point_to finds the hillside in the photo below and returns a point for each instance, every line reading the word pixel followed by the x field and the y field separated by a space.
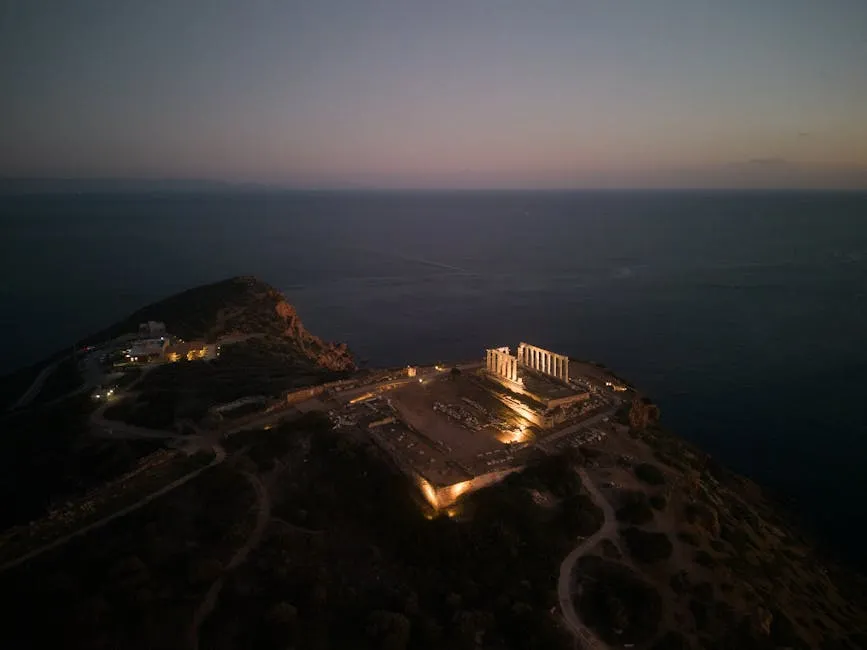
pixel 240 305
pixel 51 449
pixel 147 521
pixel 343 555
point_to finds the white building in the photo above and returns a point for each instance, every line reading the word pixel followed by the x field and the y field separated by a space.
pixel 152 329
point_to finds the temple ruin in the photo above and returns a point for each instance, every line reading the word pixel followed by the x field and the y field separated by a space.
pixel 549 363
pixel 539 374
pixel 500 362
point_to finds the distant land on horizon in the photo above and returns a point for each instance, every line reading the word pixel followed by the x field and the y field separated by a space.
pixel 13 186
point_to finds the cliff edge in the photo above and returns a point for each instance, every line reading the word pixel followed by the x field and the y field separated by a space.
pixel 241 306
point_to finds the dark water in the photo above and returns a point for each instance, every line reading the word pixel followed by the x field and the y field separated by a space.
pixel 743 315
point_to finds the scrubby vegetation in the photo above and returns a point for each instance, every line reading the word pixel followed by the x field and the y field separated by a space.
pixel 485 575
pixel 635 509
pixel 647 547
pixel 616 603
pixel 47 458
pixel 650 474
pixel 132 583
pixel 65 379
pixel 193 313
pixel 348 560
pixel 186 390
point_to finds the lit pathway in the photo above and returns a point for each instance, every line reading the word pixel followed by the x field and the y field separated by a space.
pixel 564 585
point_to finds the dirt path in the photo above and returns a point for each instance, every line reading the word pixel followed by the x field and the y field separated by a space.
pixel 34 389
pixel 297 529
pixel 263 516
pixel 219 457
pixel 564 585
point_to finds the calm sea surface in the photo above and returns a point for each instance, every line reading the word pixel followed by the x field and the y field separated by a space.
pixel 743 315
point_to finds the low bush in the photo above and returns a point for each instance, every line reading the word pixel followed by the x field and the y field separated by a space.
pixel 647 547
pixel 704 559
pixel 671 641
pixel 635 513
pixel 688 538
pixel 615 602
pixel 650 474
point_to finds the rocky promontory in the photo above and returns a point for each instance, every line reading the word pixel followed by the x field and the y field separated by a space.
pixel 242 305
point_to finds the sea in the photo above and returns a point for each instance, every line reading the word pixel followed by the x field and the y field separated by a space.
pixel 742 314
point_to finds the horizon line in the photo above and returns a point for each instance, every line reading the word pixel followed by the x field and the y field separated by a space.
pixel 188 185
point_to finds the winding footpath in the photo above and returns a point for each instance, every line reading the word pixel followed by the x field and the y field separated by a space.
pixel 36 387
pixel 564 585
pixel 219 457
pixel 263 516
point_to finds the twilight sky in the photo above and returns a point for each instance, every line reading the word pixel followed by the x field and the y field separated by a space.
pixel 438 93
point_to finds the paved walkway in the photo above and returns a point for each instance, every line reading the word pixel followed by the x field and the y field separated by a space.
pixel 564 585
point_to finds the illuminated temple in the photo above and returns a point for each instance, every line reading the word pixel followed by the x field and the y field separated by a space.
pixel 536 383
pixel 455 433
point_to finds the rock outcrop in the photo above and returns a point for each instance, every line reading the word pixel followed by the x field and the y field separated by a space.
pixel 237 307
pixel 333 356
pixel 643 413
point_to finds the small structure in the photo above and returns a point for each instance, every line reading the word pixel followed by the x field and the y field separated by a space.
pixel 147 350
pixel 151 329
pixel 191 351
pixel 411 371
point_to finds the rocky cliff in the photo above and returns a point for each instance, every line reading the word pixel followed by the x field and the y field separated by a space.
pixel 643 413
pixel 333 356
